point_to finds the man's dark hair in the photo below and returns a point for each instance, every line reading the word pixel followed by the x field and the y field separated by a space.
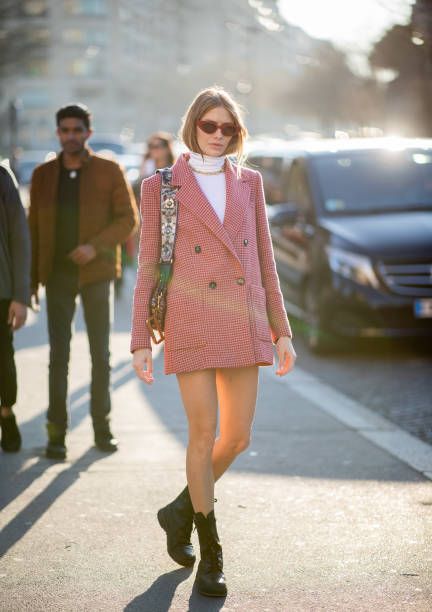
pixel 77 111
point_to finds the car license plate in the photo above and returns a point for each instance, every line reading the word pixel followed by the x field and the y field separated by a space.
pixel 423 308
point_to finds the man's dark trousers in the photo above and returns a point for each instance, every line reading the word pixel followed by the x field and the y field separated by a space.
pixel 61 292
pixel 8 375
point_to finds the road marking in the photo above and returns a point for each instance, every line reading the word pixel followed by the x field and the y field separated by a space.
pixel 367 423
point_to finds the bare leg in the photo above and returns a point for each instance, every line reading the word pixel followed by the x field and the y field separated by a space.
pixel 237 392
pixel 198 391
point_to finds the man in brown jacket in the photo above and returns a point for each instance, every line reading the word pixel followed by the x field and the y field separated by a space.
pixel 81 209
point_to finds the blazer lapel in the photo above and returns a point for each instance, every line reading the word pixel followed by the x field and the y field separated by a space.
pixel 237 200
pixel 190 195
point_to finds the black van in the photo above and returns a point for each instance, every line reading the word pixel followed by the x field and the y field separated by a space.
pixel 352 235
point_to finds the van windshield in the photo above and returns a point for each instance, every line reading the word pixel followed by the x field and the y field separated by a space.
pixel 364 182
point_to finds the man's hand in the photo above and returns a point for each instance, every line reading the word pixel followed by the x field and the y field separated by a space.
pixel 143 365
pixel 286 355
pixel 83 254
pixel 17 315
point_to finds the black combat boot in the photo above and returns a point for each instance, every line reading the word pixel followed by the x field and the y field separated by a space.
pixel 176 519
pixel 56 448
pixel 10 435
pixel 210 579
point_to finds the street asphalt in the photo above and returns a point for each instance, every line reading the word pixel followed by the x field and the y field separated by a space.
pixel 316 515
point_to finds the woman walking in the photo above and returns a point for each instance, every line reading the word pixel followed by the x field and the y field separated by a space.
pixel 224 312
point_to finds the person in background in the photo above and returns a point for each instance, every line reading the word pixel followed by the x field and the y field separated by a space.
pixel 159 154
pixel 81 210
pixel 14 299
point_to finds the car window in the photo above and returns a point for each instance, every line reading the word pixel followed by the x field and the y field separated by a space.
pixel 374 181
pixel 271 168
pixel 297 189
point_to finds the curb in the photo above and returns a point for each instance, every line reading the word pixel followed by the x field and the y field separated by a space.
pixel 364 421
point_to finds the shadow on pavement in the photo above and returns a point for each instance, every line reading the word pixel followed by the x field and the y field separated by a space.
pixel 28 516
pixel 158 598
pixel 290 440
pixel 78 411
pixel 199 603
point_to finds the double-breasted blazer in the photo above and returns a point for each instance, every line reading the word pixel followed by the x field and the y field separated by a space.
pixel 224 305
pixel 107 216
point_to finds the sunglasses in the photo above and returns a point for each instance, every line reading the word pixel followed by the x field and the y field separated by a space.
pixel 210 127
pixel 156 145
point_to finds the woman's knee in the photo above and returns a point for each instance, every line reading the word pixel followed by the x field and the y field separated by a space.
pixel 202 442
pixel 237 445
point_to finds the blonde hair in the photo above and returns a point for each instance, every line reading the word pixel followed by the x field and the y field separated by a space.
pixel 206 100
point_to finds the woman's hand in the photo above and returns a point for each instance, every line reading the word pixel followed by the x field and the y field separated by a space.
pixel 142 362
pixel 286 355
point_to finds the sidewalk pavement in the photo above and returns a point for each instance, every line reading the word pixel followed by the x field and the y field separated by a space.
pixel 313 516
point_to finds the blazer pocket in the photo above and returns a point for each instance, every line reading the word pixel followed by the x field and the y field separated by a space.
pixel 259 309
pixel 184 327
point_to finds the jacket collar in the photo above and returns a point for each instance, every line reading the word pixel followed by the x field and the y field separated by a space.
pixel 190 195
pixel 89 154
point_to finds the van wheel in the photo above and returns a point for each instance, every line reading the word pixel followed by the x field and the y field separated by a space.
pixel 320 339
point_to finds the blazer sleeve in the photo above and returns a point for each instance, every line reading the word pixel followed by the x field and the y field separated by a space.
pixel 148 259
pixel 276 312
pixel 19 240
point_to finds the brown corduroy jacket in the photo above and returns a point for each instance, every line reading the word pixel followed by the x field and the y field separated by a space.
pixel 107 217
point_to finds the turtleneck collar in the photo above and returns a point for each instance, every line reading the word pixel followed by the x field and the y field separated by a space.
pixel 205 163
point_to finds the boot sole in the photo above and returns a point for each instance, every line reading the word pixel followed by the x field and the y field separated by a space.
pixel 54 455
pixel 163 524
pixel 11 449
pixel 212 594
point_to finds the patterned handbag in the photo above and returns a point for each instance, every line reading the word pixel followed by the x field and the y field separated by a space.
pixel 158 300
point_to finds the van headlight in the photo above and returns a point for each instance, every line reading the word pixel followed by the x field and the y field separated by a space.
pixel 356 267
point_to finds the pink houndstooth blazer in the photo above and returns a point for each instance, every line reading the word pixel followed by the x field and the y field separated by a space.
pixel 225 306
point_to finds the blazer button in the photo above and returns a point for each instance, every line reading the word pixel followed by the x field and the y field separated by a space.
pixel 197 249
pixel 240 281
pixel 245 241
pixel 212 285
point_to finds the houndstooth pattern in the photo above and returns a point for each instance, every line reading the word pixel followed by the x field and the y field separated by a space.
pixel 225 305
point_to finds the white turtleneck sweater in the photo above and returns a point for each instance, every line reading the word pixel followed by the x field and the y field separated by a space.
pixel 213 186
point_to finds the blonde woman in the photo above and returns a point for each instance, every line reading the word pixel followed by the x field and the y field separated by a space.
pixel 222 320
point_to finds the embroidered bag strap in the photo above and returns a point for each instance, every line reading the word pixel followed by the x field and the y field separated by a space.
pixel 169 210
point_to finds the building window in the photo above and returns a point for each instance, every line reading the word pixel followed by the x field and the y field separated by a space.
pixel 87 67
pixel 35 99
pixel 73 36
pixel 85 7
pixel 34 8
pixel 79 36
pixel 35 67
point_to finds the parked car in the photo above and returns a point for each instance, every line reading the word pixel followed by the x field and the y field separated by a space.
pixel 108 142
pixel 26 163
pixel 273 158
pixel 352 236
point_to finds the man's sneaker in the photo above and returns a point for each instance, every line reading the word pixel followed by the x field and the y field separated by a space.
pixel 106 442
pixel 10 435
pixel 56 448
